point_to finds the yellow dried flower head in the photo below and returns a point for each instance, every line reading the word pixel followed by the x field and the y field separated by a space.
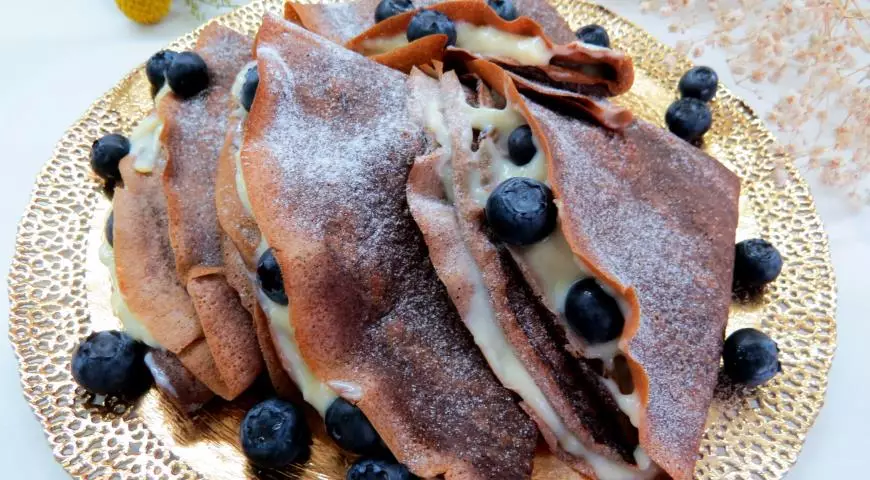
pixel 145 11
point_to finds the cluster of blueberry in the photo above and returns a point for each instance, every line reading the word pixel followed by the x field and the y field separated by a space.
pixel 186 72
pixel 689 117
pixel 750 356
pixel 273 434
pixel 187 75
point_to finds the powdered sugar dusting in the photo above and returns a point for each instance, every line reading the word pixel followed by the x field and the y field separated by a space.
pixel 304 132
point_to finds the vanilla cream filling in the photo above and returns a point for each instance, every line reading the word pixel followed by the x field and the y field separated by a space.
pixel 482 40
pixel 490 41
pixel 316 393
pixel 132 325
pixel 145 143
pixel 435 123
pixel 241 186
pixel 242 115
pixel 378 46
pixel 145 146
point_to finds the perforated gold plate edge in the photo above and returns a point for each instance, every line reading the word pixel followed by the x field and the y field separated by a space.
pixel 58 294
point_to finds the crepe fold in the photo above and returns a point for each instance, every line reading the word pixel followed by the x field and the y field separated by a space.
pixel 648 216
pixel 168 252
pixel 329 145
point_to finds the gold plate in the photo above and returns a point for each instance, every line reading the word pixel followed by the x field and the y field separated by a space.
pixel 59 292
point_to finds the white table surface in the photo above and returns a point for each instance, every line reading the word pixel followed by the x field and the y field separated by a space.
pixel 57 56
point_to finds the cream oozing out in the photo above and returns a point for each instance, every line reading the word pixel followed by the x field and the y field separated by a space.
pixel 315 392
pixel 481 319
pixel 132 325
pixel 480 39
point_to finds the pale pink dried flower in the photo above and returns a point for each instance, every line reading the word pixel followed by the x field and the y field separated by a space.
pixel 809 45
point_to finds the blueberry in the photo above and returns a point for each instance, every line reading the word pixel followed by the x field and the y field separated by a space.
pixel 504 8
pixel 700 83
pixel 689 118
pixel 110 226
pixel 521 211
pixel 430 22
pixel 187 74
pixel 756 263
pixel 156 68
pixel 249 88
pixel 351 430
pixel 367 469
pixel 389 8
pixel 521 147
pixel 594 35
pixel 111 363
pixel 271 279
pixel 106 155
pixel 751 357
pixel 274 434
pixel 592 313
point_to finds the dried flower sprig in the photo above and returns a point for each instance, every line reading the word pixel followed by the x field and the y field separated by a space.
pixel 812 46
pixel 196 11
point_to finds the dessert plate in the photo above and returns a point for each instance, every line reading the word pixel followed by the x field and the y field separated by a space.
pixel 59 292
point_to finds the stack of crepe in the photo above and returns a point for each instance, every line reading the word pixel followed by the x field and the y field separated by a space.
pixel 363 165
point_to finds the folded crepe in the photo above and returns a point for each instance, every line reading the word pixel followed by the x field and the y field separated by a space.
pixel 328 144
pixel 343 21
pixel 648 216
pixel 167 255
pixel 521 46
pixel 193 137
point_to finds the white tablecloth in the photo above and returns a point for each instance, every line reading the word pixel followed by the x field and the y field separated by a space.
pixel 57 56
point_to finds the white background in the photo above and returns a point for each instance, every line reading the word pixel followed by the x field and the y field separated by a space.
pixel 57 56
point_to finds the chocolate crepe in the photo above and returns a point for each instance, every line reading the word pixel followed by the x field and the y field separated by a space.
pixel 329 145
